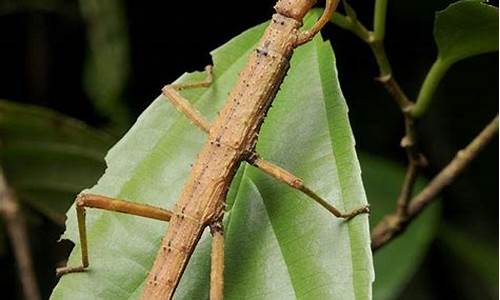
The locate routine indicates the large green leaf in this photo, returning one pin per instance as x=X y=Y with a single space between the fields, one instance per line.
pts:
x=396 y=263
x=279 y=244
x=48 y=157
x=466 y=28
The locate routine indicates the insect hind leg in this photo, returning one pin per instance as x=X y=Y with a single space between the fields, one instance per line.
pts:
x=297 y=183
x=102 y=202
x=217 y=262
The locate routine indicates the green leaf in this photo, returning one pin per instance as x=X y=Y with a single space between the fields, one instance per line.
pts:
x=48 y=157
x=466 y=28
x=279 y=244
x=395 y=263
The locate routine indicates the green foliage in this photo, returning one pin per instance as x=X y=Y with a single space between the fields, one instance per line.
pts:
x=466 y=28
x=279 y=244
x=48 y=157
x=395 y=263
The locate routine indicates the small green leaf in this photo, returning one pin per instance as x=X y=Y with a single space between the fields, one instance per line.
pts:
x=395 y=263
x=279 y=244
x=466 y=28
x=48 y=157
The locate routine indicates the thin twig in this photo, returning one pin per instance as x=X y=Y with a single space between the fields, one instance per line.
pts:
x=394 y=224
x=375 y=40
x=16 y=228
x=392 y=86
x=379 y=19
x=406 y=189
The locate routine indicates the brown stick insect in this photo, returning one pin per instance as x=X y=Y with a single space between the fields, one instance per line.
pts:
x=232 y=138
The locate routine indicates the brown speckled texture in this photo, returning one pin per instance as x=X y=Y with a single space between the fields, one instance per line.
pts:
x=231 y=138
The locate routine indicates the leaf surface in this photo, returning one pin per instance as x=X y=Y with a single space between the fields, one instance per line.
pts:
x=466 y=28
x=279 y=244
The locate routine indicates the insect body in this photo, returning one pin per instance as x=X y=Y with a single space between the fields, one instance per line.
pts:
x=231 y=139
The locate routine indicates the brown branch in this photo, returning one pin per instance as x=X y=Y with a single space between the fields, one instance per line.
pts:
x=394 y=224
x=409 y=142
x=16 y=228
x=352 y=24
x=406 y=189
x=393 y=88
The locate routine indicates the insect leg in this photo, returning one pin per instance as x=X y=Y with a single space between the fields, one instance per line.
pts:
x=171 y=91
x=217 y=262
x=96 y=201
x=306 y=36
x=205 y=83
x=297 y=183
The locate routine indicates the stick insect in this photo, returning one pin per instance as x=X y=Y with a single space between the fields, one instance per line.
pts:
x=232 y=138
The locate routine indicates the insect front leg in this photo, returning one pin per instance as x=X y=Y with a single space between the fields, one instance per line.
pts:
x=97 y=201
x=306 y=36
x=217 y=262
x=171 y=91
x=297 y=183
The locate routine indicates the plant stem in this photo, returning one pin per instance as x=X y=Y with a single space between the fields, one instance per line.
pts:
x=352 y=24
x=16 y=228
x=376 y=43
x=379 y=19
x=406 y=189
x=341 y=21
x=394 y=224
x=378 y=50
x=462 y=159
x=394 y=90
x=431 y=82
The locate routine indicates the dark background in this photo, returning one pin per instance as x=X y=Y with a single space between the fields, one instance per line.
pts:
x=42 y=55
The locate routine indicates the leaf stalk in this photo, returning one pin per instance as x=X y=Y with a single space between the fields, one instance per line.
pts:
x=429 y=87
